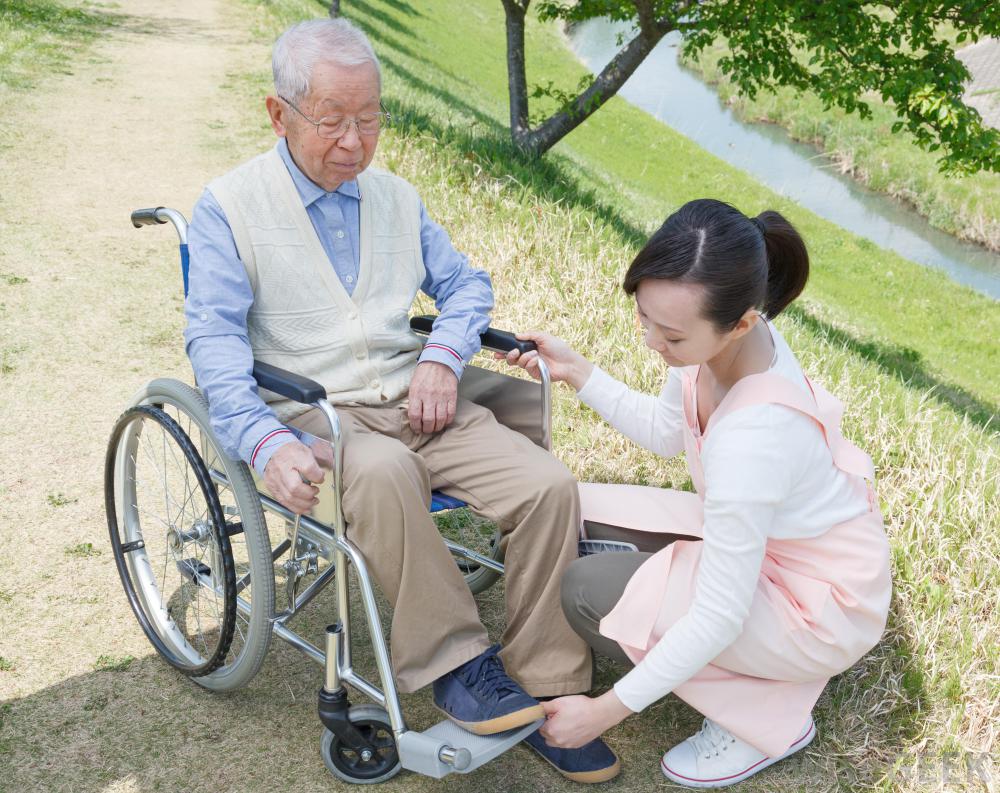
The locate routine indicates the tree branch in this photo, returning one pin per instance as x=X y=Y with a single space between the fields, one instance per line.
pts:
x=539 y=140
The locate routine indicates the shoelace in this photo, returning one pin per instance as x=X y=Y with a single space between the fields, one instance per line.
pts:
x=486 y=674
x=710 y=739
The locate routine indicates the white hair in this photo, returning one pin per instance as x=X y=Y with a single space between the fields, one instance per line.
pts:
x=303 y=45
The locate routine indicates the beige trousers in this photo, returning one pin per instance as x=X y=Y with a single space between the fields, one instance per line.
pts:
x=389 y=472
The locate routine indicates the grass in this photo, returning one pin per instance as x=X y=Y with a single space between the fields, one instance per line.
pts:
x=83 y=550
x=59 y=499
x=111 y=663
x=867 y=150
x=913 y=354
x=39 y=37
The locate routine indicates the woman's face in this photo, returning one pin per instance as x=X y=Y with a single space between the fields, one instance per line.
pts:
x=670 y=315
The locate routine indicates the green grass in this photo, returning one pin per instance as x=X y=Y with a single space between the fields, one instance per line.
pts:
x=867 y=149
x=59 y=499
x=39 y=37
x=83 y=550
x=111 y=663
x=913 y=355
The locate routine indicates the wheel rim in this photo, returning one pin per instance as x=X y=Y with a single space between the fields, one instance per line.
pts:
x=172 y=552
x=204 y=442
x=351 y=763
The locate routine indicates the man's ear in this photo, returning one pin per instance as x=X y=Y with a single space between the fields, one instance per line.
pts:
x=276 y=110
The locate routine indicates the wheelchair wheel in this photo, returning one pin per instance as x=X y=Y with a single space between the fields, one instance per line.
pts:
x=477 y=534
x=242 y=524
x=170 y=543
x=347 y=764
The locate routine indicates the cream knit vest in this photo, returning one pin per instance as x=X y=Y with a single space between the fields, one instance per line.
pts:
x=359 y=347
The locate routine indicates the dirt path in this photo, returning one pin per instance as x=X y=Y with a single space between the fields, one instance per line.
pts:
x=983 y=92
x=90 y=309
x=98 y=314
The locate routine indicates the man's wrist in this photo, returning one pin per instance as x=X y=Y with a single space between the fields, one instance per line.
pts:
x=445 y=356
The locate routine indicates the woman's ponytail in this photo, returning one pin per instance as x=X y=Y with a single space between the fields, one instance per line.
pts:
x=787 y=262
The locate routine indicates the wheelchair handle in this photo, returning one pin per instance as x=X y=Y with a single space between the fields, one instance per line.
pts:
x=491 y=339
x=159 y=215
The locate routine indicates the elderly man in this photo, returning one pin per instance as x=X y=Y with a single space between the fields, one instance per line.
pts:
x=306 y=258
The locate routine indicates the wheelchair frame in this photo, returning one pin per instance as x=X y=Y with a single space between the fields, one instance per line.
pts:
x=445 y=747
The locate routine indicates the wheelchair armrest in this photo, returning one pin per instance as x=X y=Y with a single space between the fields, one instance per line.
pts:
x=289 y=385
x=492 y=339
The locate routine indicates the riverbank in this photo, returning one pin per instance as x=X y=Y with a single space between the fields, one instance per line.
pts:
x=968 y=207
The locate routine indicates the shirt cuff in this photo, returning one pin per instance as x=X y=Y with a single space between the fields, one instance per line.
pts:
x=268 y=444
x=442 y=353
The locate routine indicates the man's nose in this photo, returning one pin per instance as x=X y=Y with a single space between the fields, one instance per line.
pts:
x=352 y=138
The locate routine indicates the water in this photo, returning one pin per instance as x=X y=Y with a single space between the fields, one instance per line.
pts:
x=663 y=88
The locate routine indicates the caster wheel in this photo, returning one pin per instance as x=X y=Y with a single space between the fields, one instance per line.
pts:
x=358 y=767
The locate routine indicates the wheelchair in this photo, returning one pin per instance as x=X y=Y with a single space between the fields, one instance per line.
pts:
x=193 y=548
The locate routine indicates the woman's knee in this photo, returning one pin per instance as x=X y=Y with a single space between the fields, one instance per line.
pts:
x=573 y=594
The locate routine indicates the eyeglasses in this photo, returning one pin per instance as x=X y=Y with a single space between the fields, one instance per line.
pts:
x=334 y=127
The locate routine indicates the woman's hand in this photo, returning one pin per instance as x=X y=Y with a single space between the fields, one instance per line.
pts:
x=574 y=721
x=563 y=361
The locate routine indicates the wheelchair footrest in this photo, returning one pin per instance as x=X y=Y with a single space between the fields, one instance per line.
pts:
x=421 y=751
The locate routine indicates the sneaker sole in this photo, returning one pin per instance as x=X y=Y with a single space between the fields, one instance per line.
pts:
x=800 y=743
x=586 y=777
x=502 y=723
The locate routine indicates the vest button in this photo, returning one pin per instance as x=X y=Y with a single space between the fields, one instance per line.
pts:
x=359 y=354
x=374 y=384
x=352 y=314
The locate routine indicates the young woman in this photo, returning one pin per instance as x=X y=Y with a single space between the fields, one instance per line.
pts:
x=781 y=579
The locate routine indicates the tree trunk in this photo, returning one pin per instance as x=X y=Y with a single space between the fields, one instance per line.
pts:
x=515 y=11
x=539 y=140
x=334 y=9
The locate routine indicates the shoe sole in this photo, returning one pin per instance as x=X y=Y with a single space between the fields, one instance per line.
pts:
x=502 y=723
x=585 y=777
x=800 y=743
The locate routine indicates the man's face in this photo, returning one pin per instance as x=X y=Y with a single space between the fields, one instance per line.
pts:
x=349 y=91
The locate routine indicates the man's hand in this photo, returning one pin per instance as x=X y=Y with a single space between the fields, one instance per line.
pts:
x=433 y=397
x=285 y=473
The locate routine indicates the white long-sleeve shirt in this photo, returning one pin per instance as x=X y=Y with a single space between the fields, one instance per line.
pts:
x=768 y=473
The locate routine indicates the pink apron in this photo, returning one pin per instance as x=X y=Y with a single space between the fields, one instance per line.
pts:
x=820 y=604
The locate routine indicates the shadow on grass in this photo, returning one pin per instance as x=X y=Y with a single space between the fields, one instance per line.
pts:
x=905 y=364
x=141 y=723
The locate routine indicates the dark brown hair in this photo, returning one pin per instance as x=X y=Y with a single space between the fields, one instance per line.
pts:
x=741 y=262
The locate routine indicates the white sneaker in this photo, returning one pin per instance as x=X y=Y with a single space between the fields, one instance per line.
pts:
x=714 y=757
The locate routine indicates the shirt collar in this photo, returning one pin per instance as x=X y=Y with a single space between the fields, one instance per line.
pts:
x=308 y=190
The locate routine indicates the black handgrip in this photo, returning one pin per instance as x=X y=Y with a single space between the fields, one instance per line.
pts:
x=493 y=339
x=146 y=217
x=503 y=341
x=289 y=385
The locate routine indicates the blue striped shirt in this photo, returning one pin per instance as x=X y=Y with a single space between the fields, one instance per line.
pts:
x=219 y=296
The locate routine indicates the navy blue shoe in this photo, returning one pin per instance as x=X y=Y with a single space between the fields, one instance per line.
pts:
x=592 y=762
x=480 y=697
